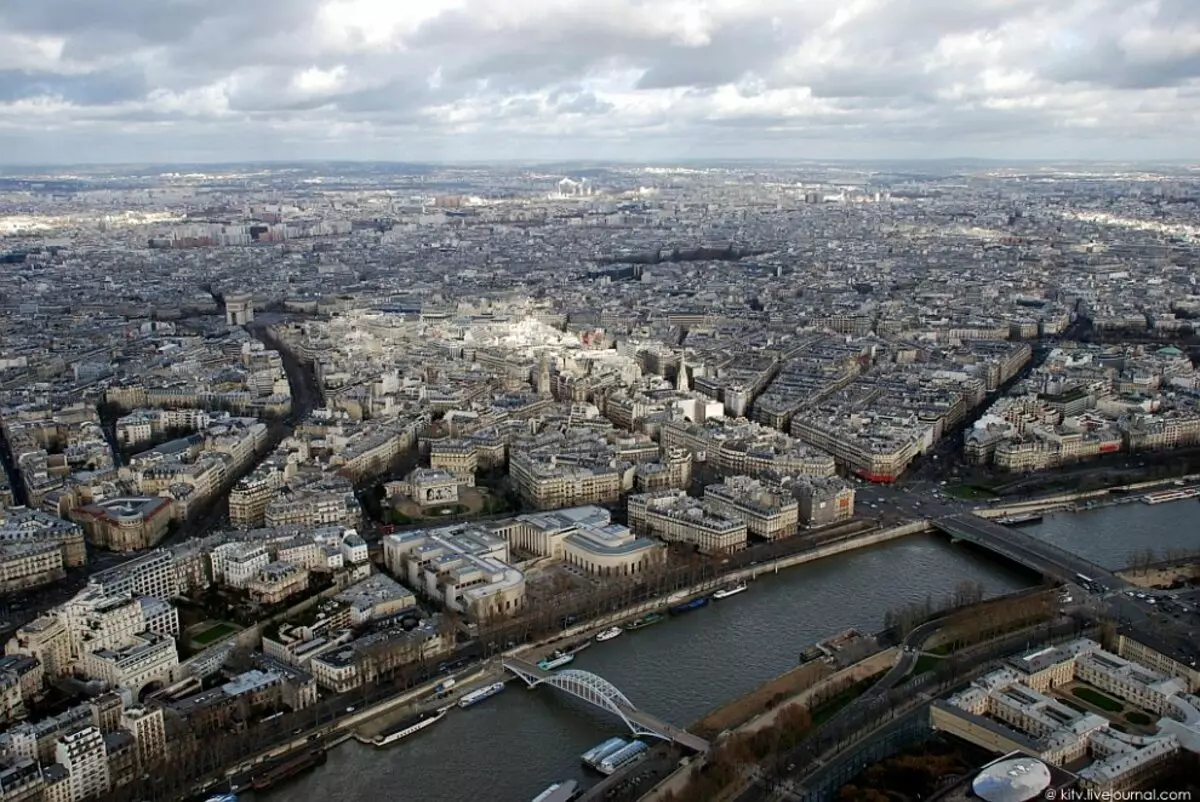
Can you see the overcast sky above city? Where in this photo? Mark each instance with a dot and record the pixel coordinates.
(642, 80)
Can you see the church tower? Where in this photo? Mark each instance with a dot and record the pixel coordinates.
(681, 378)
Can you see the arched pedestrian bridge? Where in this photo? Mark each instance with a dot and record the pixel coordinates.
(596, 690)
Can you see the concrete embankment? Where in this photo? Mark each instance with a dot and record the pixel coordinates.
(379, 718)
(827, 688)
(1069, 501)
(852, 543)
(1063, 501)
(371, 720)
(766, 696)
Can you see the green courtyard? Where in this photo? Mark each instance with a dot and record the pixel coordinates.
(1094, 697)
(207, 636)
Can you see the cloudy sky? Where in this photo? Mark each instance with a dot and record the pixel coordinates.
(204, 80)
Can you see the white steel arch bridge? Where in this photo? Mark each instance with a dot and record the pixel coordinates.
(596, 690)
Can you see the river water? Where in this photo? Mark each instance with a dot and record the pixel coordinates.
(510, 747)
(1110, 536)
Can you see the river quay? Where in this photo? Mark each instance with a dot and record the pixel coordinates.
(514, 744)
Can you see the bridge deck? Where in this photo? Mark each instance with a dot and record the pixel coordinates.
(1025, 549)
(679, 736)
(641, 718)
(517, 665)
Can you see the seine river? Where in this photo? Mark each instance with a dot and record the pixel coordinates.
(512, 746)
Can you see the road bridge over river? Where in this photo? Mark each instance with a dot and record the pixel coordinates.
(1021, 547)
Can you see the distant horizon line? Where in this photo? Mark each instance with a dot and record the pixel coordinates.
(25, 166)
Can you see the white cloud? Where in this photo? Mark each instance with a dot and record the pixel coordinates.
(723, 77)
(316, 81)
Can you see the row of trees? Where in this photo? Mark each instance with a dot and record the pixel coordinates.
(728, 765)
(916, 775)
(998, 617)
(205, 751)
(904, 620)
(683, 568)
(1144, 559)
(844, 729)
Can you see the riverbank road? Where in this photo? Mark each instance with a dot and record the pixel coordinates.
(906, 660)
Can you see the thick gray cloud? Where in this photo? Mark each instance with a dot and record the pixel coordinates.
(640, 79)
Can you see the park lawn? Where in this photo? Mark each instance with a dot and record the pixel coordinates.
(1138, 718)
(969, 492)
(214, 634)
(1098, 699)
(927, 662)
(829, 708)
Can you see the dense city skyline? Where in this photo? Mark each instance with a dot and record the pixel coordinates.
(618, 80)
(807, 395)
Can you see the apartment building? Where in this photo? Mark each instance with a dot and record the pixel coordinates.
(303, 552)
(1175, 429)
(673, 471)
(151, 574)
(769, 512)
(459, 457)
(371, 452)
(364, 659)
(12, 701)
(145, 659)
(146, 726)
(676, 517)
(876, 450)
(253, 493)
(22, 682)
(823, 501)
(144, 425)
(96, 621)
(85, 759)
(37, 740)
(47, 640)
(276, 582)
(738, 446)
(236, 564)
(550, 481)
(327, 501)
(21, 525)
(29, 565)
(160, 616)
